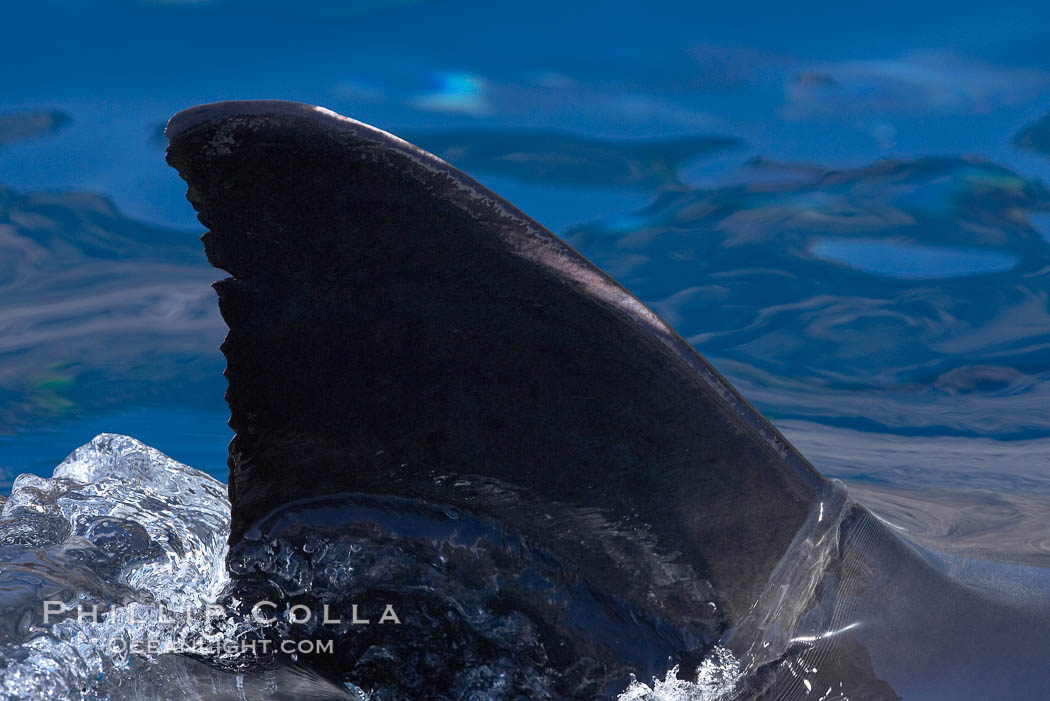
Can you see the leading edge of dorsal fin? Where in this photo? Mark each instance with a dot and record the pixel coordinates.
(395, 327)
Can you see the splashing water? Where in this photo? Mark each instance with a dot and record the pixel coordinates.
(716, 678)
(119, 560)
(134, 539)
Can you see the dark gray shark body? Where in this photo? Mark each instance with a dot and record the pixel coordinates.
(397, 331)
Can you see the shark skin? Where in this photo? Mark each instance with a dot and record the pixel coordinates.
(396, 329)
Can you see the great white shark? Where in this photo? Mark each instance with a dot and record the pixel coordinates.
(399, 332)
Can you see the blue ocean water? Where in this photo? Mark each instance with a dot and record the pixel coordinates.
(844, 208)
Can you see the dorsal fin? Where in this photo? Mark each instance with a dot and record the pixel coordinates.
(397, 328)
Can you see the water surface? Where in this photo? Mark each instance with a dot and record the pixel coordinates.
(845, 210)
